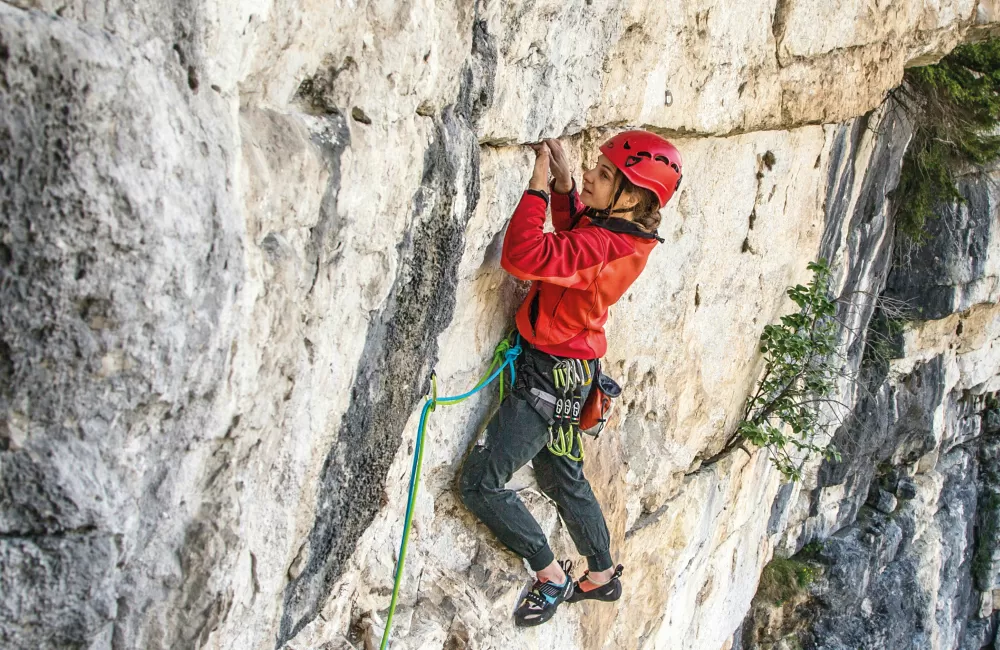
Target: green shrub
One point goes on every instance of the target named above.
(883, 340)
(812, 549)
(798, 378)
(955, 105)
(782, 579)
(986, 536)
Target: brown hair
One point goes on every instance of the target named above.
(646, 213)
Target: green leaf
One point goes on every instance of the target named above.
(799, 352)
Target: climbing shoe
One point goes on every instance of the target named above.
(584, 589)
(540, 603)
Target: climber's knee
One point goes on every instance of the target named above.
(470, 482)
(546, 482)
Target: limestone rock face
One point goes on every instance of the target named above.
(961, 269)
(238, 236)
(121, 259)
(938, 546)
(917, 565)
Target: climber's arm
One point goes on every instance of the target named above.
(571, 258)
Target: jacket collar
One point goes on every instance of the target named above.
(616, 224)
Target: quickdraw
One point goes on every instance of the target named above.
(569, 376)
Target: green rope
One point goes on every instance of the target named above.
(503, 355)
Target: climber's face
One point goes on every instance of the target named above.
(599, 184)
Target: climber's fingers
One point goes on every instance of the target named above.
(540, 175)
(559, 163)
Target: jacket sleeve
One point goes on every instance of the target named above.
(571, 258)
(566, 208)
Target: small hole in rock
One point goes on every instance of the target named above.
(360, 116)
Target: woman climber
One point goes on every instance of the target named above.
(603, 237)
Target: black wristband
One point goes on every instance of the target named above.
(542, 194)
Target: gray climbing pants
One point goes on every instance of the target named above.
(515, 435)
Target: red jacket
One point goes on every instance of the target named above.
(579, 271)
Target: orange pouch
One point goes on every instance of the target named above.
(597, 408)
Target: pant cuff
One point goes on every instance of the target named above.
(541, 559)
(600, 562)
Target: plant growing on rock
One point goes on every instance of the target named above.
(783, 414)
(782, 611)
(884, 336)
(811, 550)
(783, 579)
(988, 531)
(955, 109)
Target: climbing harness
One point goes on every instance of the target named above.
(562, 408)
(504, 356)
(569, 376)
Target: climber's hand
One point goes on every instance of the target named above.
(559, 165)
(540, 176)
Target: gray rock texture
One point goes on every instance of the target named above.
(917, 566)
(960, 267)
(121, 252)
(876, 591)
(882, 500)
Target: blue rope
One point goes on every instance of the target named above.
(510, 355)
(509, 358)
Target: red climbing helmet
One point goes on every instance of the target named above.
(647, 160)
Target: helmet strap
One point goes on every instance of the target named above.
(618, 194)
